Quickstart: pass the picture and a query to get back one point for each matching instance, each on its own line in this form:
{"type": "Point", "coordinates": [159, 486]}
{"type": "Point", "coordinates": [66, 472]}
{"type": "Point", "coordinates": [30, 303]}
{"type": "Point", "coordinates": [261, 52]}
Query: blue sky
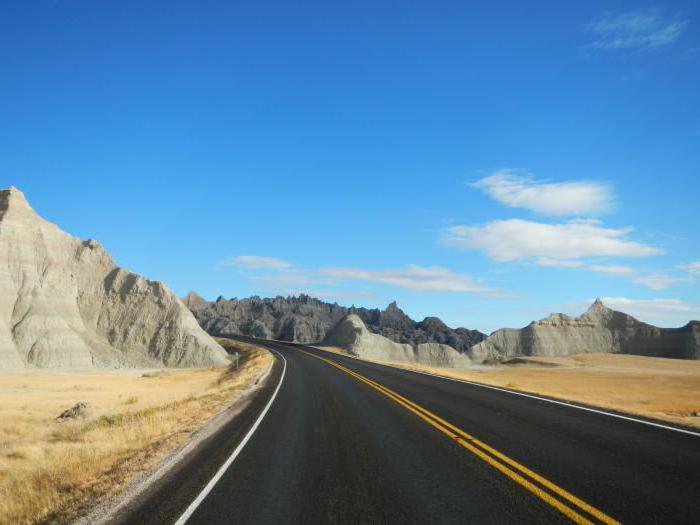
{"type": "Point", "coordinates": [487, 164]}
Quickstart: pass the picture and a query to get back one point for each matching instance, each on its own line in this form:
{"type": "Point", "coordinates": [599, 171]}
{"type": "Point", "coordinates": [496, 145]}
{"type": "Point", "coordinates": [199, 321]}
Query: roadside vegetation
{"type": "Point", "coordinates": [53, 471]}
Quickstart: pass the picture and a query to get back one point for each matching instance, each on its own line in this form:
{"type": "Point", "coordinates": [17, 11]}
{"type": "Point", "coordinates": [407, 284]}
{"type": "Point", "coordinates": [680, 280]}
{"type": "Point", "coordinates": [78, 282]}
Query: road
{"type": "Point", "coordinates": [347, 441]}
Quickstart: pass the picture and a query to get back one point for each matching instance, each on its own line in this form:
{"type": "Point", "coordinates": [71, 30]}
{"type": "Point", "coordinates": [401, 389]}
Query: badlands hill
{"type": "Point", "coordinates": [304, 319]}
{"type": "Point", "coordinates": [351, 334]}
{"type": "Point", "coordinates": [64, 303]}
{"type": "Point", "coordinates": [600, 329]}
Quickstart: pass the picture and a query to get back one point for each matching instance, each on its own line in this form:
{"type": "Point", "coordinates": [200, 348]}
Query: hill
{"type": "Point", "coordinates": [304, 319]}
{"type": "Point", "coordinates": [64, 303]}
{"type": "Point", "coordinates": [600, 329]}
{"type": "Point", "coordinates": [351, 335]}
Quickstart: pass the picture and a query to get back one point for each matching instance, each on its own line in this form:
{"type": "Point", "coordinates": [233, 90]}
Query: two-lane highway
{"type": "Point", "coordinates": [346, 441]}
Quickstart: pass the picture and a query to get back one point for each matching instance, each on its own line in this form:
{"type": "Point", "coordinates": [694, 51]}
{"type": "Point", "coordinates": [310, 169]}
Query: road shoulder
{"type": "Point", "coordinates": [136, 498]}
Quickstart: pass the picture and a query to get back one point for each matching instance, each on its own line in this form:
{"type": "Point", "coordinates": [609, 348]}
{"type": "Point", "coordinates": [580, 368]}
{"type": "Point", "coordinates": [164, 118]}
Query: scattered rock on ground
{"type": "Point", "coordinates": [81, 410]}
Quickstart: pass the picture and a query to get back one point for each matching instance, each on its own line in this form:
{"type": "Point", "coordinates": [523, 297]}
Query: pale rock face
{"type": "Point", "coordinates": [351, 334]}
{"type": "Point", "coordinates": [65, 304]}
{"type": "Point", "coordinates": [600, 329]}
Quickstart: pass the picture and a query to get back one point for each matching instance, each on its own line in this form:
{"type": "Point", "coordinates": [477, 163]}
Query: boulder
{"type": "Point", "coordinates": [80, 410]}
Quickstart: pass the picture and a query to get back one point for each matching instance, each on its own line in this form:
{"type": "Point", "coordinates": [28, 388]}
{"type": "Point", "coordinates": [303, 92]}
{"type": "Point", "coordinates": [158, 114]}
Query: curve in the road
{"type": "Point", "coordinates": [219, 473]}
{"type": "Point", "coordinates": [361, 442]}
{"type": "Point", "coordinates": [491, 456]}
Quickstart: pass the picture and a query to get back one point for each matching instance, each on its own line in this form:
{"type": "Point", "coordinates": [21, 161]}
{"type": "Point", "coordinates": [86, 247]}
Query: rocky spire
{"type": "Point", "coordinates": [597, 306]}
{"type": "Point", "coordinates": [13, 200]}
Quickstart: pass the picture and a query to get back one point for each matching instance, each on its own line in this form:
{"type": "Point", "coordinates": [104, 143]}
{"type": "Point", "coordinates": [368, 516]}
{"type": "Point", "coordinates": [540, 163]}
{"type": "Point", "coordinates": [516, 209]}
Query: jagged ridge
{"type": "Point", "coordinates": [307, 320]}
{"type": "Point", "coordinates": [600, 329]}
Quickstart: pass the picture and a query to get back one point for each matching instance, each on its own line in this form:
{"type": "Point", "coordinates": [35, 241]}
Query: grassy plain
{"type": "Point", "coordinates": [53, 471]}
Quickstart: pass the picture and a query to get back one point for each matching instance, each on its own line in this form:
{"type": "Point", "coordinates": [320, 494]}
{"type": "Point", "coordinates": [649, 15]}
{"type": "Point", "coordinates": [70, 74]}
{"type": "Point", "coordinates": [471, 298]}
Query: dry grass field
{"type": "Point", "coordinates": [53, 471]}
{"type": "Point", "coordinates": [665, 389]}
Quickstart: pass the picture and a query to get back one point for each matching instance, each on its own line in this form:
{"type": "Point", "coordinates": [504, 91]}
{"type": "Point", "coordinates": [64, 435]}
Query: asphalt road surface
{"type": "Point", "coordinates": [346, 441]}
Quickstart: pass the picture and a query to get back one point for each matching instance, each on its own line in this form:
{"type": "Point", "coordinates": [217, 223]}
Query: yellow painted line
{"type": "Point", "coordinates": [554, 488]}
{"type": "Point", "coordinates": [480, 448]}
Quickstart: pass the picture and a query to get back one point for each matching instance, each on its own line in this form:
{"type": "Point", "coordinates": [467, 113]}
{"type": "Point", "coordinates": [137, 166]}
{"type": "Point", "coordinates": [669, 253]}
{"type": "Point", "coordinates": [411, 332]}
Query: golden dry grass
{"type": "Point", "coordinates": [334, 349]}
{"type": "Point", "coordinates": [53, 472]}
{"type": "Point", "coordinates": [667, 389]}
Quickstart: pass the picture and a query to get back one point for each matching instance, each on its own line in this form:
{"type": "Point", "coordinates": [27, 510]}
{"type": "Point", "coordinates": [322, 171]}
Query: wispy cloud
{"type": "Point", "coordinates": [692, 268]}
{"type": "Point", "coordinates": [638, 29]}
{"type": "Point", "coordinates": [255, 262]}
{"type": "Point", "coordinates": [612, 269]}
{"type": "Point", "coordinates": [411, 277]}
{"type": "Point", "coordinates": [520, 189]}
{"type": "Point", "coordinates": [550, 262]}
{"type": "Point", "coordinates": [659, 281]}
{"type": "Point", "coordinates": [564, 244]}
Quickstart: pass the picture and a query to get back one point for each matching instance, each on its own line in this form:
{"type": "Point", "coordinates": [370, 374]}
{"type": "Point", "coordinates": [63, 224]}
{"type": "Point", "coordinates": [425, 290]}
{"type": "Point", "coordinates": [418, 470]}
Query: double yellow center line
{"type": "Point", "coordinates": [565, 502]}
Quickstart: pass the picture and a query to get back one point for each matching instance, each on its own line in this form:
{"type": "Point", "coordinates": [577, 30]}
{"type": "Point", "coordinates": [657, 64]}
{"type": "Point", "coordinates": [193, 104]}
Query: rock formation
{"type": "Point", "coordinates": [307, 320]}
{"type": "Point", "coordinates": [65, 304]}
{"type": "Point", "coordinates": [600, 329]}
{"type": "Point", "coordinates": [351, 334]}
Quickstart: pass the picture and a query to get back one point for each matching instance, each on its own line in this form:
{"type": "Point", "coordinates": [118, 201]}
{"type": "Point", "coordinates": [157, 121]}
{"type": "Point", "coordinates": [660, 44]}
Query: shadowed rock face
{"type": "Point", "coordinates": [351, 334]}
{"type": "Point", "coordinates": [65, 304]}
{"type": "Point", "coordinates": [307, 320]}
{"type": "Point", "coordinates": [600, 329]}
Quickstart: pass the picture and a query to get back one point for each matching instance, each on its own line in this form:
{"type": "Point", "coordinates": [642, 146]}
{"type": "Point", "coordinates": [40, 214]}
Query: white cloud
{"type": "Point", "coordinates": [292, 276]}
{"type": "Point", "coordinates": [612, 269]}
{"type": "Point", "coordinates": [519, 189]}
{"type": "Point", "coordinates": [658, 281]}
{"type": "Point", "coordinates": [638, 29]}
{"type": "Point", "coordinates": [693, 267]}
{"type": "Point", "coordinates": [412, 277]}
{"type": "Point", "coordinates": [661, 311]}
{"type": "Point", "coordinates": [280, 273]}
{"type": "Point", "coordinates": [516, 239]}
{"type": "Point", "coordinates": [256, 262]}
{"type": "Point", "coordinates": [558, 263]}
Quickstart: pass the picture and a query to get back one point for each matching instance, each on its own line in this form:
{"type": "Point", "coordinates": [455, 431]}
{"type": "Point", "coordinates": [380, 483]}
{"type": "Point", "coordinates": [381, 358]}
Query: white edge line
{"type": "Point", "coordinates": [523, 394]}
{"type": "Point", "coordinates": [213, 481]}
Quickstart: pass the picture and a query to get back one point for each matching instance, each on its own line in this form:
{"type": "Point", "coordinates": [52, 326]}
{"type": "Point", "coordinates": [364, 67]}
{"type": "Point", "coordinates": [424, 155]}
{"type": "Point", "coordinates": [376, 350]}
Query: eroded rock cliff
{"type": "Point", "coordinates": [600, 329]}
{"type": "Point", "coordinates": [64, 303]}
{"type": "Point", "coordinates": [307, 320]}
